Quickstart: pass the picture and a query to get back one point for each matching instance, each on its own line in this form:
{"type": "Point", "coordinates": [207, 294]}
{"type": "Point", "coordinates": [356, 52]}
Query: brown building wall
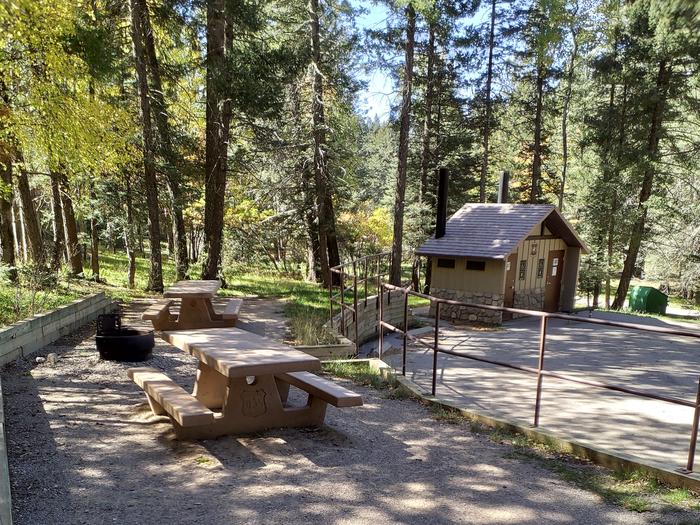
{"type": "Point", "coordinates": [487, 287]}
{"type": "Point", "coordinates": [459, 278]}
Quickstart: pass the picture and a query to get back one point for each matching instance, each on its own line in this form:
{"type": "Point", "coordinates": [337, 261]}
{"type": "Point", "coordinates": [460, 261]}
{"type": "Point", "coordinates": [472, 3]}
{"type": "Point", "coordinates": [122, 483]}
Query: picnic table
{"type": "Point", "coordinates": [196, 308]}
{"type": "Point", "coordinates": [242, 385]}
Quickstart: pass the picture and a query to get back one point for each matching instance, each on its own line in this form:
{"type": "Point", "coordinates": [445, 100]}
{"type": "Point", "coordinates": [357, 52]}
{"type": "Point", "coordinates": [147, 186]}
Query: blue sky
{"type": "Point", "coordinates": [376, 99]}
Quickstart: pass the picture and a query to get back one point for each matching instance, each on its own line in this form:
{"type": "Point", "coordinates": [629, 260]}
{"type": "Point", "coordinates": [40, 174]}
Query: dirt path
{"type": "Point", "coordinates": [84, 449]}
{"type": "Point", "coordinates": [268, 311]}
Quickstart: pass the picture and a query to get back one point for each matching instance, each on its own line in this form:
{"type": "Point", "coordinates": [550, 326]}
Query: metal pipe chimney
{"type": "Point", "coordinates": [503, 183]}
{"type": "Point", "coordinates": [441, 218]}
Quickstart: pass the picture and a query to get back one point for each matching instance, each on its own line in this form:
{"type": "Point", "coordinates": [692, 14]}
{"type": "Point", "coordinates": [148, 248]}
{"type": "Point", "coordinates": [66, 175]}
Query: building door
{"type": "Point", "coordinates": [509, 291]}
{"type": "Point", "coordinates": [552, 288]}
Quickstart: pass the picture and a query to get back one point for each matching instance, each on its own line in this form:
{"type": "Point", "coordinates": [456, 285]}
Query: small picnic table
{"type": "Point", "coordinates": [242, 385]}
{"type": "Point", "coordinates": [196, 308]}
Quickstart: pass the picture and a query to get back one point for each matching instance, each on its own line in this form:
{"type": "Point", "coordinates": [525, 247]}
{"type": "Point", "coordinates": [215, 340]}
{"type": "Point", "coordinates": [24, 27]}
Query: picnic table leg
{"type": "Point", "coordinates": [210, 387]}
{"type": "Point", "coordinates": [194, 313]}
{"type": "Point", "coordinates": [156, 408]}
{"type": "Point", "coordinates": [283, 389]}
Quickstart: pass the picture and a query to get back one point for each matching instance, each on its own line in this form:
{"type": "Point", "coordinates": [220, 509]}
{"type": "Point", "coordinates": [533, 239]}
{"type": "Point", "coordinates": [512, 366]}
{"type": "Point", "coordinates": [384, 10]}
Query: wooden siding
{"type": "Point", "coordinates": [543, 247]}
{"type": "Point", "coordinates": [490, 280]}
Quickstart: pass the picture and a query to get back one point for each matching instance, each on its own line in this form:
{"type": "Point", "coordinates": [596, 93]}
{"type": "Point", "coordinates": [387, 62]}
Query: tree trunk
{"type": "Point", "coordinates": [329, 254]}
{"type": "Point", "coordinates": [173, 164]}
{"type": "Point", "coordinates": [7, 233]}
{"type": "Point", "coordinates": [129, 234]}
{"type": "Point", "coordinates": [8, 238]}
{"type": "Point", "coordinates": [155, 278]}
{"type": "Point", "coordinates": [657, 114]}
{"type": "Point", "coordinates": [428, 120]}
{"type": "Point", "coordinates": [537, 139]}
{"type": "Point", "coordinates": [59, 237]}
{"type": "Point", "coordinates": [565, 120]}
{"type": "Point", "coordinates": [75, 258]}
{"type": "Point", "coordinates": [94, 239]}
{"type": "Point", "coordinates": [218, 117]}
{"type": "Point", "coordinates": [33, 230]}
{"type": "Point", "coordinates": [22, 237]}
{"type": "Point", "coordinates": [405, 123]}
{"type": "Point", "coordinates": [487, 122]}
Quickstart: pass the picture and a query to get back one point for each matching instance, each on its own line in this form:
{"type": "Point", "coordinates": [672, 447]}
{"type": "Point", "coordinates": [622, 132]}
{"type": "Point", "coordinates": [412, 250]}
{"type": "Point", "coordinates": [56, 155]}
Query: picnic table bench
{"type": "Point", "coordinates": [196, 308]}
{"type": "Point", "coordinates": [242, 385]}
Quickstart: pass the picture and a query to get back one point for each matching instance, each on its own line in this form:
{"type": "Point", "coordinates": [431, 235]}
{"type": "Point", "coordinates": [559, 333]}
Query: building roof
{"type": "Point", "coordinates": [493, 231]}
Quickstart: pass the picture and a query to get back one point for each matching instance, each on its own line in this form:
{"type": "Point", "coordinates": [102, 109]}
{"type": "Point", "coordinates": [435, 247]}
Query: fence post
{"type": "Point", "coordinates": [342, 303]}
{"type": "Point", "coordinates": [330, 295]}
{"type": "Point", "coordinates": [435, 346]}
{"type": "Point", "coordinates": [405, 330]}
{"type": "Point", "coordinates": [380, 297]}
{"type": "Point", "coordinates": [357, 315]}
{"type": "Point", "coordinates": [366, 265]}
{"type": "Point", "coordinates": [694, 434]}
{"type": "Point", "coordinates": [540, 367]}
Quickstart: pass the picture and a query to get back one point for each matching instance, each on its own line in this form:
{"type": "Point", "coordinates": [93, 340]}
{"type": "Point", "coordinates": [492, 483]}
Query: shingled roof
{"type": "Point", "coordinates": [493, 231]}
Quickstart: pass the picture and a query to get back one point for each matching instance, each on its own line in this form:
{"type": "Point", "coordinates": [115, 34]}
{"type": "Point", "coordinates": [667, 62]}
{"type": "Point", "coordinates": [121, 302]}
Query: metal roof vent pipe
{"type": "Point", "coordinates": [503, 183]}
{"type": "Point", "coordinates": [441, 219]}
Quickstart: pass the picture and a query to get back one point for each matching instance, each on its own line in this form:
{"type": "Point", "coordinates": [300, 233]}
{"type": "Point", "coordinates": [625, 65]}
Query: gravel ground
{"type": "Point", "coordinates": [84, 449]}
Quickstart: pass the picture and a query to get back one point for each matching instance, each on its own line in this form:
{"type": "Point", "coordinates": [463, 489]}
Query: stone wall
{"type": "Point", "coordinates": [465, 314]}
{"type": "Point", "coordinates": [368, 314]}
{"type": "Point", "coordinates": [529, 299]}
{"type": "Point", "coordinates": [33, 333]}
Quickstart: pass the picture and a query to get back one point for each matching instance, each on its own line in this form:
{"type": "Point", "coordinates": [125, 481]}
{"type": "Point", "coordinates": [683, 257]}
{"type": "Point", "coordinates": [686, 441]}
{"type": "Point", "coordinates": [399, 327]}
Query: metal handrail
{"type": "Point", "coordinates": [540, 371]}
{"type": "Point", "coordinates": [341, 272]}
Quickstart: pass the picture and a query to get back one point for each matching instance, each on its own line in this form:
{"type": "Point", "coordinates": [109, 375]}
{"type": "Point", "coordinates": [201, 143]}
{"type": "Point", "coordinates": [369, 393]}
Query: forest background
{"type": "Point", "coordinates": [147, 141]}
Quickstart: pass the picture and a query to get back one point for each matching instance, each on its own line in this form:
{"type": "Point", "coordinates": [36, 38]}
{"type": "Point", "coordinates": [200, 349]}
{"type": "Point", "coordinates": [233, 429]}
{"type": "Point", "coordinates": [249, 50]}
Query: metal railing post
{"type": "Point", "coordinates": [405, 330]}
{"type": "Point", "coordinates": [330, 295]}
{"type": "Point", "coordinates": [366, 265]}
{"type": "Point", "coordinates": [435, 346]}
{"type": "Point", "coordinates": [540, 367]}
{"type": "Point", "coordinates": [342, 303]}
{"type": "Point", "coordinates": [694, 434]}
{"type": "Point", "coordinates": [356, 315]}
{"type": "Point", "coordinates": [379, 277]}
{"type": "Point", "coordinates": [380, 297]}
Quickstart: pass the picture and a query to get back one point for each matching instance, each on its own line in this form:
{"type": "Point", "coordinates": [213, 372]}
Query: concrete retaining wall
{"type": "Point", "coordinates": [33, 333]}
{"type": "Point", "coordinates": [5, 497]}
{"type": "Point", "coordinates": [368, 315]}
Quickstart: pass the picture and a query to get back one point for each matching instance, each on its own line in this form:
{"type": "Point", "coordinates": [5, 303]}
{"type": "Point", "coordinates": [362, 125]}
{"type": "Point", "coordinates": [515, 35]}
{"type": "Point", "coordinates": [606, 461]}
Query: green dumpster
{"type": "Point", "coordinates": [647, 299]}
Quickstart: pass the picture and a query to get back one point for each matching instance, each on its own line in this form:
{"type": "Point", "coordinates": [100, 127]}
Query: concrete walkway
{"type": "Point", "coordinates": [654, 431]}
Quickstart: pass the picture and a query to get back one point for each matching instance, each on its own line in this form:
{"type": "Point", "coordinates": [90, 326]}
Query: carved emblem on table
{"type": "Point", "coordinates": [253, 403]}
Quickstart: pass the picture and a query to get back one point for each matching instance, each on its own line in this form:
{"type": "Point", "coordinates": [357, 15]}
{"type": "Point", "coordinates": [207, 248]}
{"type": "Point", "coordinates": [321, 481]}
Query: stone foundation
{"type": "Point", "coordinates": [465, 314]}
{"type": "Point", "coordinates": [532, 299]}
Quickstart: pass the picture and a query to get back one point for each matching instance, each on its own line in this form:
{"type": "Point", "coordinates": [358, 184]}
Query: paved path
{"type": "Point", "coordinates": [654, 431]}
{"type": "Point", "coordinates": [83, 449]}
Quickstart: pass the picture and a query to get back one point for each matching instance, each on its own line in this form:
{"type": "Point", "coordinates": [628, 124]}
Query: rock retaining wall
{"type": "Point", "coordinates": [529, 300]}
{"type": "Point", "coordinates": [33, 333]}
{"type": "Point", "coordinates": [468, 314]}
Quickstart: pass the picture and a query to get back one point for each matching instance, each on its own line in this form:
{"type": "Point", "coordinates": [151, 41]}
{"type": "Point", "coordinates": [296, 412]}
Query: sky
{"type": "Point", "coordinates": [376, 99]}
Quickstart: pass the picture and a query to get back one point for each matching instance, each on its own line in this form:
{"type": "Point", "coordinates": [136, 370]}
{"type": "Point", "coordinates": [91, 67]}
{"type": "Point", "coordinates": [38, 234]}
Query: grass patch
{"type": "Point", "coordinates": [39, 294]}
{"type": "Point", "coordinates": [362, 374]}
{"type": "Point", "coordinates": [306, 304]}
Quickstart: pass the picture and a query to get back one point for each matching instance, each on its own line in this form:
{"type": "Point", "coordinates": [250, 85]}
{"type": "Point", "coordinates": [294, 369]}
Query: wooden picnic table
{"type": "Point", "coordinates": [242, 385]}
{"type": "Point", "coordinates": [196, 308]}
